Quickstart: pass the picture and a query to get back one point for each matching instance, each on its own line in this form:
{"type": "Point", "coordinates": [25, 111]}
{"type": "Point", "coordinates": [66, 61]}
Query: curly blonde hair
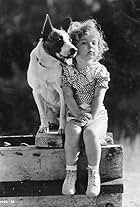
{"type": "Point", "coordinates": [80, 29]}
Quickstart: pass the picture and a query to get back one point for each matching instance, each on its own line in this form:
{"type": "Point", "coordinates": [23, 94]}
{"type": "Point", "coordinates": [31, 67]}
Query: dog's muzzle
{"type": "Point", "coordinates": [71, 54]}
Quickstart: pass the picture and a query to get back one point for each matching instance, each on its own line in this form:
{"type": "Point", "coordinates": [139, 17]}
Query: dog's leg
{"type": "Point", "coordinates": [42, 108]}
{"type": "Point", "coordinates": [52, 119]}
{"type": "Point", "coordinates": [62, 109]}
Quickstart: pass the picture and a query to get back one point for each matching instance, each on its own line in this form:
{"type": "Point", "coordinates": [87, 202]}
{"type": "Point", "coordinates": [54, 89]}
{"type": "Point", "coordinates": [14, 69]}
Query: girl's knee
{"type": "Point", "coordinates": [90, 134]}
{"type": "Point", "coordinates": [72, 135]}
{"type": "Point", "coordinates": [71, 129]}
{"type": "Point", "coordinates": [91, 141]}
{"type": "Point", "coordinates": [95, 132]}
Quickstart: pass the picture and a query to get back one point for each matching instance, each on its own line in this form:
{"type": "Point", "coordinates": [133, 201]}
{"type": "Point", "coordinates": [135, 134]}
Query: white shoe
{"type": "Point", "coordinates": [93, 188]}
{"type": "Point", "coordinates": [68, 187]}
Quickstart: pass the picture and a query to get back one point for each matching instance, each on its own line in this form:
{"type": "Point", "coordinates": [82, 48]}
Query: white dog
{"type": "Point", "coordinates": [44, 73]}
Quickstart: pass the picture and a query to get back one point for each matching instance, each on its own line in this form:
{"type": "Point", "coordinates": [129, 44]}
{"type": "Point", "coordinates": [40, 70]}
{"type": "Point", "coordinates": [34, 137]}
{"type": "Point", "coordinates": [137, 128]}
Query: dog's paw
{"type": "Point", "coordinates": [53, 126]}
{"type": "Point", "coordinates": [60, 131]}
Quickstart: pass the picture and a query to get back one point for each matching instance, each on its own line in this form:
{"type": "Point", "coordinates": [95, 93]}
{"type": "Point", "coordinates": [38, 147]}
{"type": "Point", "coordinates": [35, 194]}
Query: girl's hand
{"type": "Point", "coordinates": [83, 119]}
{"type": "Point", "coordinates": [88, 115]}
{"type": "Point", "coordinates": [84, 116]}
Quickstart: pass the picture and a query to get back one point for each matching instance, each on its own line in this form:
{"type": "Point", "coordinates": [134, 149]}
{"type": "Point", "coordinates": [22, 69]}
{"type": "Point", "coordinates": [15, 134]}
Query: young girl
{"type": "Point", "coordinates": [85, 84]}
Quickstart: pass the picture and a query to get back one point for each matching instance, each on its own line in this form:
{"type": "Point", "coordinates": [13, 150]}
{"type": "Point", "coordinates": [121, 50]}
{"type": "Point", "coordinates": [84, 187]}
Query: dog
{"type": "Point", "coordinates": [53, 50]}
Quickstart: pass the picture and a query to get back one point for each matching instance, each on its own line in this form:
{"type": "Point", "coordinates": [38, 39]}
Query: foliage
{"type": "Point", "coordinates": [18, 114]}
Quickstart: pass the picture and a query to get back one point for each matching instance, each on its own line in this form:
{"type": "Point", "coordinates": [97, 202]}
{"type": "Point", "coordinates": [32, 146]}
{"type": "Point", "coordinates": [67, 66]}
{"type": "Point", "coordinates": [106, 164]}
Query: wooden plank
{"type": "Point", "coordinates": [111, 164]}
{"type": "Point", "coordinates": [45, 188]}
{"type": "Point", "coordinates": [16, 140]}
{"type": "Point", "coordinates": [113, 186]}
{"type": "Point", "coordinates": [103, 200]}
{"type": "Point", "coordinates": [31, 163]}
{"type": "Point", "coordinates": [109, 200]}
{"type": "Point", "coordinates": [51, 139]}
{"type": "Point", "coordinates": [10, 137]}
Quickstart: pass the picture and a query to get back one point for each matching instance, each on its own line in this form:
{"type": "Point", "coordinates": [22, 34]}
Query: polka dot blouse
{"type": "Point", "coordinates": [84, 83]}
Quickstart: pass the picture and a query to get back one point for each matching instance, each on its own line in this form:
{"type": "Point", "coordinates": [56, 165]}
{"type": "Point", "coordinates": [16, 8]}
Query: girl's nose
{"type": "Point", "coordinates": [90, 45]}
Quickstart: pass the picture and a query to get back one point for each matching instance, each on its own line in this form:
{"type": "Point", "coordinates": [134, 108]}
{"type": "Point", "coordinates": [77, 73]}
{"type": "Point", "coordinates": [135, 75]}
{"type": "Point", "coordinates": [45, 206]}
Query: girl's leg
{"type": "Point", "coordinates": [72, 137]}
{"type": "Point", "coordinates": [91, 136]}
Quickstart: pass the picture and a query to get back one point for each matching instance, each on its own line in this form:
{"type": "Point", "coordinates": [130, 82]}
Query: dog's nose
{"type": "Point", "coordinates": [72, 51]}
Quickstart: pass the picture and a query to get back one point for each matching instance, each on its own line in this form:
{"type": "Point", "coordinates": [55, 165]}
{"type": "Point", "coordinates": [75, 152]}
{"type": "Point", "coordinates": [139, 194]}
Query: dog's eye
{"type": "Point", "coordinates": [70, 40]}
{"type": "Point", "coordinates": [58, 39]}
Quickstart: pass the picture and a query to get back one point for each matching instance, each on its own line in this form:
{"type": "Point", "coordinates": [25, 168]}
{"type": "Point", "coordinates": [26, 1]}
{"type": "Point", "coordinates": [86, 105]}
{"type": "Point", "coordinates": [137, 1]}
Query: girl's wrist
{"type": "Point", "coordinates": [79, 115]}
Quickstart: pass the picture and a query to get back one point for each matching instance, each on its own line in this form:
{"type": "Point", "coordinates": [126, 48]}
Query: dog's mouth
{"type": "Point", "coordinates": [72, 54]}
{"type": "Point", "coordinates": [63, 57]}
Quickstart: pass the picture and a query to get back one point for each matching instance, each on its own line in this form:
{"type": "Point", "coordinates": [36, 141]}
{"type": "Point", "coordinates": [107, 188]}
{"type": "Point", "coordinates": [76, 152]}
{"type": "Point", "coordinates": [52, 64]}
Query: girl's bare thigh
{"type": "Point", "coordinates": [96, 128]}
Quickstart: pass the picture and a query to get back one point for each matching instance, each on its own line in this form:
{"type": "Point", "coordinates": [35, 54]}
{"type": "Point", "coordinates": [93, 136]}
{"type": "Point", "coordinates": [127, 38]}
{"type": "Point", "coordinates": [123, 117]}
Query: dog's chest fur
{"type": "Point", "coordinates": [48, 68]}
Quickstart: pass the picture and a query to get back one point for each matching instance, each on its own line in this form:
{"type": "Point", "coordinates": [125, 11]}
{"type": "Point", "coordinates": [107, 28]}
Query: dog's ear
{"type": "Point", "coordinates": [47, 28]}
{"type": "Point", "coordinates": [66, 23]}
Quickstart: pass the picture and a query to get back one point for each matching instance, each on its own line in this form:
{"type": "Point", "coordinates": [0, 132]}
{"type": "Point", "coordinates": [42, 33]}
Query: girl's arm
{"type": "Point", "coordinates": [70, 102]}
{"type": "Point", "coordinates": [97, 101]}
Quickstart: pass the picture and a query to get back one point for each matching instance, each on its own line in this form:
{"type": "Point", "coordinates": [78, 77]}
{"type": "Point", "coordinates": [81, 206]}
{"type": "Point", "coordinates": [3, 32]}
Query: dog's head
{"type": "Point", "coordinates": [57, 42]}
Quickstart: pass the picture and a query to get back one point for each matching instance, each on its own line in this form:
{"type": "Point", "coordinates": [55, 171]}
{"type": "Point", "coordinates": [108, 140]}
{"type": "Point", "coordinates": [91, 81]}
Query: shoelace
{"type": "Point", "coordinates": [70, 176]}
{"type": "Point", "coordinates": [92, 174]}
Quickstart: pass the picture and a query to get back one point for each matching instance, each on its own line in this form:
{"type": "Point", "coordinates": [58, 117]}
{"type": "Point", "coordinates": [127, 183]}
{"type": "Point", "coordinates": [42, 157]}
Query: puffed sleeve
{"type": "Point", "coordinates": [102, 77]}
{"type": "Point", "coordinates": [65, 78]}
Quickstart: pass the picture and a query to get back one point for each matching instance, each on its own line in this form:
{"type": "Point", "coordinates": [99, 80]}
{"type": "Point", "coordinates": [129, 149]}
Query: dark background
{"type": "Point", "coordinates": [20, 25]}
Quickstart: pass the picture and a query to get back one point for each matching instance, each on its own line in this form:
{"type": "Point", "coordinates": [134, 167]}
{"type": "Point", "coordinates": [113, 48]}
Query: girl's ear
{"type": "Point", "coordinates": [66, 23]}
{"type": "Point", "coordinates": [47, 28]}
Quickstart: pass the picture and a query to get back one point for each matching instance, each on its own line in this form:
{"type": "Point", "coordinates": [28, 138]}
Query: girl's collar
{"type": "Point", "coordinates": [82, 64]}
{"type": "Point", "coordinates": [82, 68]}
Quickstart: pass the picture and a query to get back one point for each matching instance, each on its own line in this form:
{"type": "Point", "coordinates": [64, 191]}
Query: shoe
{"type": "Point", "coordinates": [93, 188]}
{"type": "Point", "coordinates": [68, 187]}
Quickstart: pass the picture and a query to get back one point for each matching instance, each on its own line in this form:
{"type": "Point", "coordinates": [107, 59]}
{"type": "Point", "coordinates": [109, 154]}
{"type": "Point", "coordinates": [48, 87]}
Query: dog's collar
{"type": "Point", "coordinates": [61, 63]}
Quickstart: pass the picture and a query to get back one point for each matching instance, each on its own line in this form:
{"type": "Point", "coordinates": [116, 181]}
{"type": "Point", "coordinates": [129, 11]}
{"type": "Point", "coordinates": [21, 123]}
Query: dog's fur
{"type": "Point", "coordinates": [45, 70]}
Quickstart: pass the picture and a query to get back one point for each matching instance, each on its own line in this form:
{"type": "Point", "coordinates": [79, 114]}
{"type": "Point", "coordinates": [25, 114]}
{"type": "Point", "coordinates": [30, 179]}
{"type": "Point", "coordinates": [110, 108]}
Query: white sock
{"type": "Point", "coordinates": [71, 167]}
{"type": "Point", "coordinates": [95, 167]}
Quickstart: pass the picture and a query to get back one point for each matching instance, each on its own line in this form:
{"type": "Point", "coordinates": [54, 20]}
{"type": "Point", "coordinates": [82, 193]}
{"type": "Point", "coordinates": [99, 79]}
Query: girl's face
{"type": "Point", "coordinates": [88, 46]}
